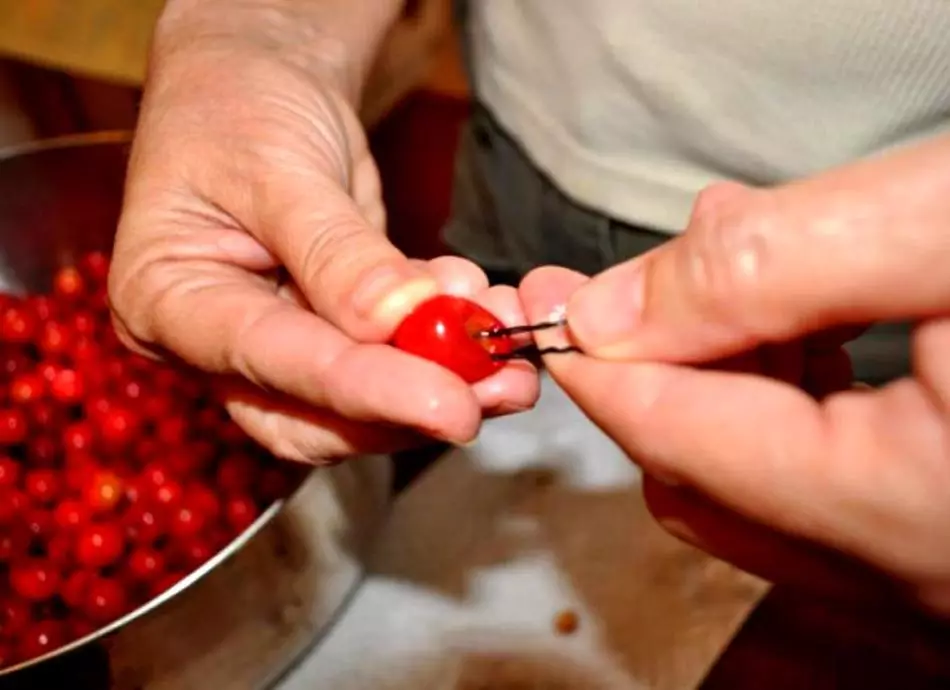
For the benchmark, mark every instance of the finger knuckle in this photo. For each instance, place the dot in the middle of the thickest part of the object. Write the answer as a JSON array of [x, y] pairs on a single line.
[[132, 292], [724, 255], [334, 251]]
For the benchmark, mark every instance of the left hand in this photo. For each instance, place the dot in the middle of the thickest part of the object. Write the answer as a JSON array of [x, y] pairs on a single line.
[[826, 487]]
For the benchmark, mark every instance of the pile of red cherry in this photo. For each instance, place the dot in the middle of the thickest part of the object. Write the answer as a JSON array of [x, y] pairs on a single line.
[[118, 475]]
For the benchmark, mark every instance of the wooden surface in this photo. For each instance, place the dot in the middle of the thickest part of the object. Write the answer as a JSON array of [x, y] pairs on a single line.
[[795, 642]]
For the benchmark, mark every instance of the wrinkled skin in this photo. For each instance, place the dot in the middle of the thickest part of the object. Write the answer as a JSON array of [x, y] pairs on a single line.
[[242, 165], [770, 458]]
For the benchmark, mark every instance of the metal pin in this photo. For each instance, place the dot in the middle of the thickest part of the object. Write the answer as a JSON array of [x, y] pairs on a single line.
[[532, 351], [519, 330]]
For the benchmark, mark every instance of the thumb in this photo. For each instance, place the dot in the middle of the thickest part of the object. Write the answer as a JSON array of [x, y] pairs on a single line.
[[344, 265], [857, 245]]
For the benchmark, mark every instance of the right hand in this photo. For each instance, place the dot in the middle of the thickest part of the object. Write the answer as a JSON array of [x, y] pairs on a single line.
[[244, 164]]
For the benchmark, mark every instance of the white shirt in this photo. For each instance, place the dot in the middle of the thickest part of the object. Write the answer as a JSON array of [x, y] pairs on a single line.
[[633, 106]]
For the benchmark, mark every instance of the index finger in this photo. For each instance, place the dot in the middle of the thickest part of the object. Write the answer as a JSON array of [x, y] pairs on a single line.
[[860, 471]]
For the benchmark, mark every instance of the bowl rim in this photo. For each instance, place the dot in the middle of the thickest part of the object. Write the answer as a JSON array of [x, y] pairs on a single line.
[[116, 137]]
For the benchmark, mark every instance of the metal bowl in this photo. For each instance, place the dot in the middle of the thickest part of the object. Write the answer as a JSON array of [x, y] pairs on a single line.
[[60, 198]]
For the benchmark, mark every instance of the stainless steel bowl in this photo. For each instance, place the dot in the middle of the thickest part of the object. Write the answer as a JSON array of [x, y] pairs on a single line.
[[60, 198]]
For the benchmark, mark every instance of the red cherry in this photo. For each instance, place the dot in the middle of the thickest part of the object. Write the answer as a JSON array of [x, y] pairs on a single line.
[[205, 501], [155, 475], [59, 551], [191, 458], [241, 512], [172, 430], [78, 437], [157, 405], [47, 415], [42, 485], [83, 323], [34, 579], [43, 451], [79, 628], [104, 491], [106, 600], [87, 353], [15, 617], [40, 522], [70, 515], [13, 427], [236, 473], [74, 588], [48, 370], [143, 525], [9, 472], [13, 362], [186, 521], [99, 546], [18, 324], [97, 406], [12, 504], [7, 655], [274, 484], [195, 552], [42, 637], [444, 329], [145, 564], [43, 306], [168, 496], [95, 266], [14, 542], [165, 583], [80, 469], [54, 339], [67, 386], [68, 283], [27, 388], [231, 434], [118, 427]]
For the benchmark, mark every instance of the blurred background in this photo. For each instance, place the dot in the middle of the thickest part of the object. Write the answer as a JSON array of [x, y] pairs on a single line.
[[70, 67]]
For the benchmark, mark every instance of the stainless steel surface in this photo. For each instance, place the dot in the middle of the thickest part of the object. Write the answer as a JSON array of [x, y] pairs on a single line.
[[60, 198]]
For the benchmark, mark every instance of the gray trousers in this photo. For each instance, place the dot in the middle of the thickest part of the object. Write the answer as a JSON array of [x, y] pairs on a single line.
[[509, 218]]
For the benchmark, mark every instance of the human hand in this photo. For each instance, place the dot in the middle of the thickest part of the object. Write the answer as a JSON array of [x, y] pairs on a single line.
[[828, 490], [244, 164]]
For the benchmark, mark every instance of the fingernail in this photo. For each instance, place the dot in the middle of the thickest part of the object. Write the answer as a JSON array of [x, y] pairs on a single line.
[[389, 293], [607, 310]]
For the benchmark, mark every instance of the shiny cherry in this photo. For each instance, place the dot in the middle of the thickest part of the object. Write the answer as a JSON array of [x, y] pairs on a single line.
[[146, 564], [43, 485], [34, 579], [444, 330], [42, 637], [27, 388], [74, 588], [70, 515], [9, 472], [68, 283], [13, 426], [18, 324], [104, 491], [98, 546], [240, 512], [118, 427], [106, 599], [67, 386]]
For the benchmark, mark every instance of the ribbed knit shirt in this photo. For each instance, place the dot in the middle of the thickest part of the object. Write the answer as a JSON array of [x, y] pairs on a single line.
[[633, 106]]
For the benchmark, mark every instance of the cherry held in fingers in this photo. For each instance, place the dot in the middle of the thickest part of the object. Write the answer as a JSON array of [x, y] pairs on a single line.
[[446, 329]]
